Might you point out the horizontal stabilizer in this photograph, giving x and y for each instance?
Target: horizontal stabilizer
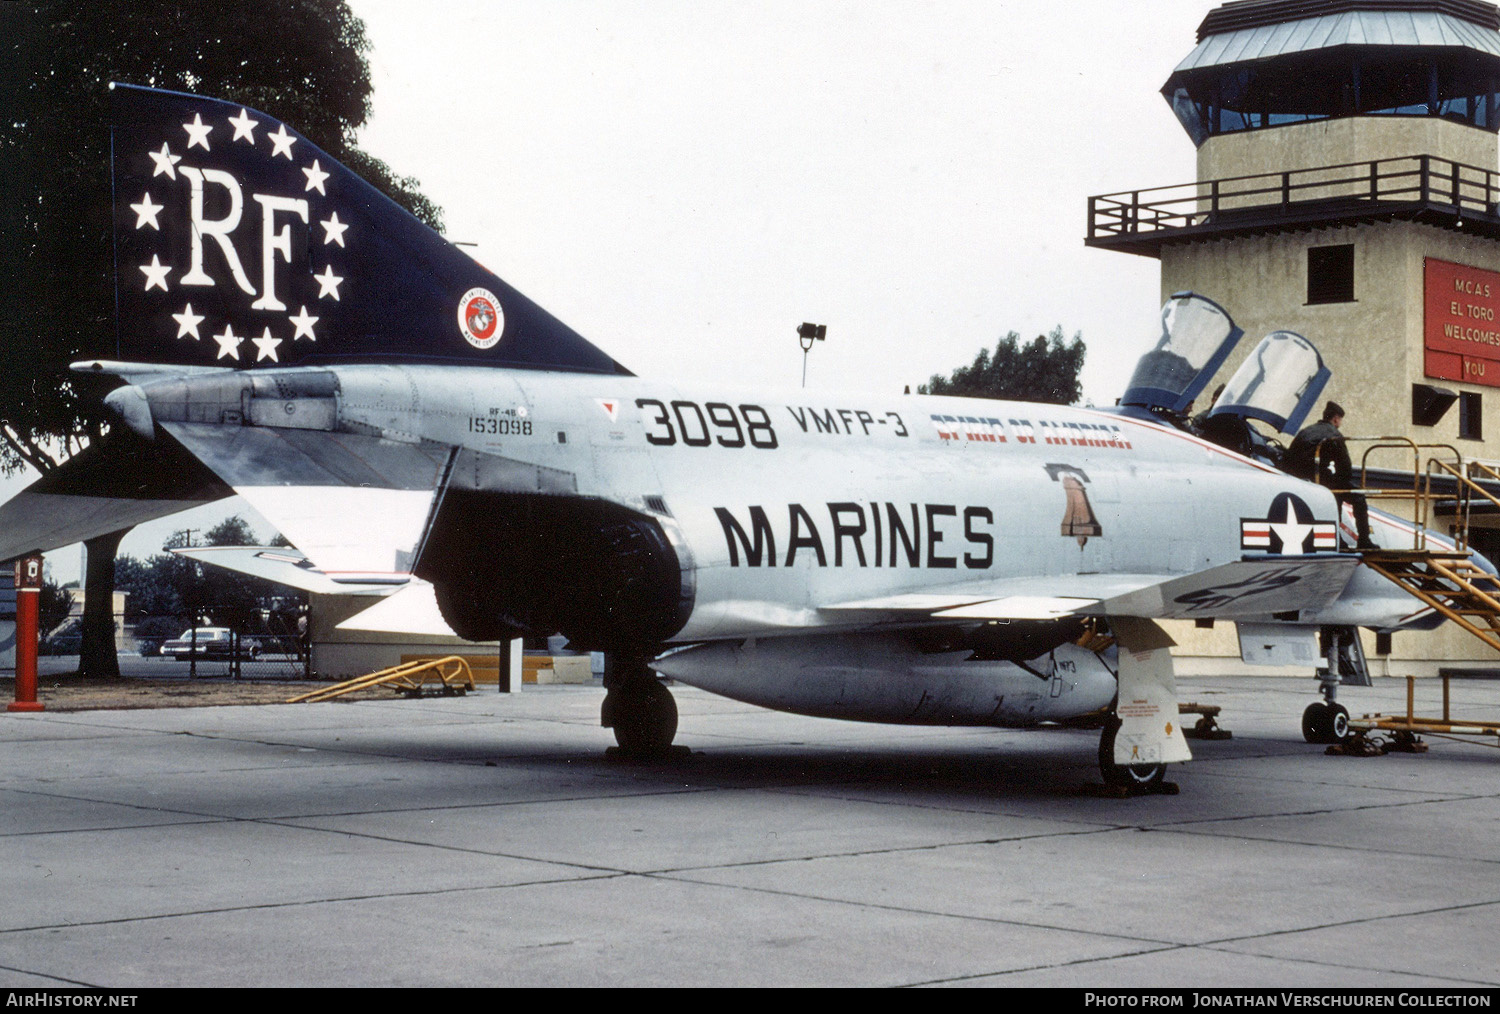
(287, 566)
(117, 483)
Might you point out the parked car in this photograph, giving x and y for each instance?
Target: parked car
(61, 644)
(208, 642)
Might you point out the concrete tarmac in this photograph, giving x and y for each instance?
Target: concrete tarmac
(488, 841)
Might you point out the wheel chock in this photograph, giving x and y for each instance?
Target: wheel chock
(1104, 791)
(671, 753)
(1207, 726)
(1357, 744)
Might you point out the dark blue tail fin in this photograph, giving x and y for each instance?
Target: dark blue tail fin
(240, 243)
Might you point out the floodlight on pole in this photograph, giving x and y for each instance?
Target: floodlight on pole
(807, 334)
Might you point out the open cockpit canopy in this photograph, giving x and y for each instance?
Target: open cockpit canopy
(1196, 337)
(1278, 383)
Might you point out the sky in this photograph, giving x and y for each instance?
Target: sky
(685, 183)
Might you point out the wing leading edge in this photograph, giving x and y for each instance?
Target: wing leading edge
(1254, 586)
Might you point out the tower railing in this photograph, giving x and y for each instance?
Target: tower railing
(1406, 184)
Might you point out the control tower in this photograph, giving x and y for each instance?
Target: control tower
(1348, 189)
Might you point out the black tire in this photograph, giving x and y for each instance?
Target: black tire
(643, 714)
(1325, 723)
(1316, 722)
(1125, 775)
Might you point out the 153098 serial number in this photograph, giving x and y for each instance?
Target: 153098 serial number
(500, 426)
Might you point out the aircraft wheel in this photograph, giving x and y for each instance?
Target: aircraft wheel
(643, 714)
(1325, 723)
(1338, 723)
(1315, 722)
(1125, 775)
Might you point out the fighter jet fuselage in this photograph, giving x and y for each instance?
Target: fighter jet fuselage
(415, 426)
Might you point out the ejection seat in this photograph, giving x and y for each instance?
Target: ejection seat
(1277, 384)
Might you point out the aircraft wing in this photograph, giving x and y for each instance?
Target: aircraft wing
(1254, 586)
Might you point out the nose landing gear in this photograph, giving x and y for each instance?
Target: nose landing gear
(1325, 722)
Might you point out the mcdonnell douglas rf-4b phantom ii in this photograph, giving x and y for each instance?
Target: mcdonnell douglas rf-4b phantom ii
(417, 427)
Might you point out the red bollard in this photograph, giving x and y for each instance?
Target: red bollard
(28, 596)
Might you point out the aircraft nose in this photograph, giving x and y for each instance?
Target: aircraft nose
(133, 408)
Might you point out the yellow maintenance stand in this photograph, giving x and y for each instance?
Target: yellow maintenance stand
(446, 676)
(1446, 580)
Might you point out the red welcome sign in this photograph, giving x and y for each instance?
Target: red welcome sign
(1461, 323)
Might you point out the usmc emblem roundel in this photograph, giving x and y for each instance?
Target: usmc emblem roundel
(480, 318)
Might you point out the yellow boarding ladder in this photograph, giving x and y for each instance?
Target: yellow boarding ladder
(1446, 580)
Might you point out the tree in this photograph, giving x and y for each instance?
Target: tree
(1044, 369)
(168, 585)
(303, 61)
(232, 531)
(53, 605)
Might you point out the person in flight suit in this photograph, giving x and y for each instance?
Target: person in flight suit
(1319, 454)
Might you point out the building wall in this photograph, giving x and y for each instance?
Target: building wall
(1374, 348)
(1373, 345)
(1338, 141)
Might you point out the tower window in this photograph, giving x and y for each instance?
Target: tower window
(1330, 274)
(1471, 416)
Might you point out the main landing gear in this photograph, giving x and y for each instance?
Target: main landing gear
(639, 708)
(1130, 777)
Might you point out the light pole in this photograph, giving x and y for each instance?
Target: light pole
(807, 334)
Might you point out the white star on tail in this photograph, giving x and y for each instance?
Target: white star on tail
(156, 273)
(328, 283)
(315, 178)
(267, 347)
(244, 126)
(333, 230)
(229, 343)
(187, 322)
(304, 325)
(281, 142)
(1291, 532)
(146, 212)
(165, 160)
(197, 131)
